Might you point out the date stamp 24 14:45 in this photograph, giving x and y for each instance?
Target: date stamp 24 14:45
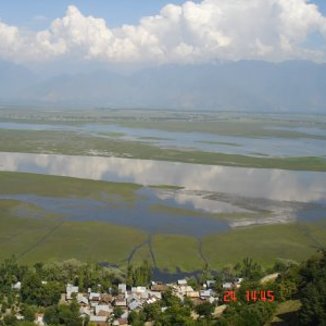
(250, 296)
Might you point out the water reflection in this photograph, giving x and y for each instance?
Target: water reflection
(280, 185)
(137, 215)
(266, 146)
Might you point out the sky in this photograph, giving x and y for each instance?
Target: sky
(148, 32)
(36, 14)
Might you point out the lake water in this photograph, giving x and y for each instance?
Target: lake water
(287, 195)
(252, 146)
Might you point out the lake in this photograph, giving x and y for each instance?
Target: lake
(265, 195)
(200, 141)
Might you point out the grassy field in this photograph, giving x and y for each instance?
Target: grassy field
(80, 144)
(173, 251)
(43, 185)
(243, 127)
(241, 124)
(265, 244)
(37, 235)
(52, 238)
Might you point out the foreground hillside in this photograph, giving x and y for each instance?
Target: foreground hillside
(72, 293)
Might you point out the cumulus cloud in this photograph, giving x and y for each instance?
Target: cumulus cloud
(211, 30)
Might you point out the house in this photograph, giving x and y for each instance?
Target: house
(151, 300)
(85, 311)
(120, 301)
(184, 289)
(155, 294)
(17, 286)
(120, 322)
(39, 319)
(182, 282)
(157, 287)
(210, 283)
(107, 309)
(238, 281)
(133, 305)
(98, 320)
(227, 285)
(70, 290)
(82, 300)
(94, 297)
(140, 291)
(122, 288)
(212, 299)
(106, 298)
(192, 294)
(205, 294)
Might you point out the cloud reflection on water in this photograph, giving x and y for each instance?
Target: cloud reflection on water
(282, 185)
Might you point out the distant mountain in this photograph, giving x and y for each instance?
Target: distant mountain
(243, 85)
(13, 79)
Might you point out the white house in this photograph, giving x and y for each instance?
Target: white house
(70, 290)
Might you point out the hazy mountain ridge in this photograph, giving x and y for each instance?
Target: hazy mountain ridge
(243, 85)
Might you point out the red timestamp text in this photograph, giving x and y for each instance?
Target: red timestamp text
(250, 296)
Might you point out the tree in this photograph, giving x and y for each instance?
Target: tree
(117, 311)
(205, 309)
(152, 311)
(29, 312)
(34, 292)
(51, 315)
(239, 314)
(63, 315)
(136, 319)
(10, 320)
(250, 269)
(312, 290)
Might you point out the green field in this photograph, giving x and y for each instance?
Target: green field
(243, 124)
(265, 244)
(44, 185)
(37, 235)
(173, 251)
(51, 238)
(71, 143)
(243, 127)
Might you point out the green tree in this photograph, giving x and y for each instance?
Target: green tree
(152, 311)
(250, 269)
(117, 311)
(29, 312)
(10, 320)
(205, 309)
(51, 315)
(312, 290)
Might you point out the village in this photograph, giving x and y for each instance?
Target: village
(111, 307)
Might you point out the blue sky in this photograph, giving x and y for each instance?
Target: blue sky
(38, 14)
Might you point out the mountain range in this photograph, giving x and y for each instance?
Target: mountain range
(244, 85)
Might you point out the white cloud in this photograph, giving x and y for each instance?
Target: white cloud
(193, 32)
